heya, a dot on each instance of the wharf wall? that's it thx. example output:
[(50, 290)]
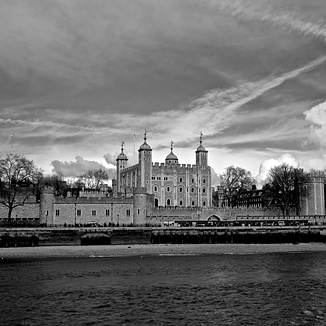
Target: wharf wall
[(16, 237)]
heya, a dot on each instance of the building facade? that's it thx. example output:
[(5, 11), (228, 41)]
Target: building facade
[(172, 184)]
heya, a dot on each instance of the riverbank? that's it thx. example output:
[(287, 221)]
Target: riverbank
[(155, 249), (22, 237)]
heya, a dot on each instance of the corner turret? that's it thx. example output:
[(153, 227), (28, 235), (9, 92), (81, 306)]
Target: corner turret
[(122, 161), (201, 153), (145, 165)]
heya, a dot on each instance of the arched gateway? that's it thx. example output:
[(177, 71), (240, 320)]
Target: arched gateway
[(214, 218)]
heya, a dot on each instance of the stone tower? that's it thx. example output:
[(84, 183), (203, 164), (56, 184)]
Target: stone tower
[(204, 193), (122, 161), (201, 153), (47, 206), (145, 165), (313, 199)]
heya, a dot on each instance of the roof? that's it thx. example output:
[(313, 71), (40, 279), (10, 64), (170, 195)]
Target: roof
[(171, 156)]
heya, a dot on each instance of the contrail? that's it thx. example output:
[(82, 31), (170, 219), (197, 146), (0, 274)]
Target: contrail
[(281, 19)]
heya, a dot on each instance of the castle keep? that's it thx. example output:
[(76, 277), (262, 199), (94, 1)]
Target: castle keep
[(172, 184)]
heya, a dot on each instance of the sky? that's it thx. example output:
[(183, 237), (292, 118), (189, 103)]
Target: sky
[(78, 77)]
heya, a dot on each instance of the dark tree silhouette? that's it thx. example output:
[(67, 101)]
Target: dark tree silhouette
[(20, 179)]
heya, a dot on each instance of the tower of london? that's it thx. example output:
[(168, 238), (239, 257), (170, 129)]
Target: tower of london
[(171, 184)]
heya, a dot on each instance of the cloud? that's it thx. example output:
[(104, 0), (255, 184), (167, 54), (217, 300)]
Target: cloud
[(317, 116), (111, 159), (262, 11), (215, 178), (79, 167), (266, 165)]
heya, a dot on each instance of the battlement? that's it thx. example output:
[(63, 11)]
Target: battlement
[(162, 165), (130, 168), (316, 179), (94, 200), (176, 208)]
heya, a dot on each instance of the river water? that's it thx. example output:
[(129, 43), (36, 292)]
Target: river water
[(164, 289)]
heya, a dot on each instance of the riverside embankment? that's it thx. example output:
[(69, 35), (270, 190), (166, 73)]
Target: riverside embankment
[(20, 237)]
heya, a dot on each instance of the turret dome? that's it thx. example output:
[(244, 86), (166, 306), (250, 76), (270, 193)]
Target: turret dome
[(201, 148), (122, 156), (145, 145), (171, 158)]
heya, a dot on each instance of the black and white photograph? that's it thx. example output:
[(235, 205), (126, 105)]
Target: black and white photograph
[(162, 162)]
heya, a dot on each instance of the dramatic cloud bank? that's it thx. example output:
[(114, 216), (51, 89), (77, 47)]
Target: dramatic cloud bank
[(79, 167), (77, 78), (317, 116), (270, 163)]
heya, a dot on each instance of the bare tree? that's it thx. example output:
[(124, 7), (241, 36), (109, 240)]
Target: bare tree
[(56, 181), (285, 187), (93, 179), (19, 180), (235, 179)]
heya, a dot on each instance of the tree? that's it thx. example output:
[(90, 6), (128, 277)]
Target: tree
[(235, 179), (58, 184), (286, 187), (93, 179), (19, 180)]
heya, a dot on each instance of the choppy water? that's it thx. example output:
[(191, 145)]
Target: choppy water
[(261, 289)]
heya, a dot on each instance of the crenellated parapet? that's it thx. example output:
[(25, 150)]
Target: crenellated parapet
[(130, 168), (168, 165)]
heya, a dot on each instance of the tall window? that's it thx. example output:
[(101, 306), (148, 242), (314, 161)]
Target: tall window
[(156, 202), (107, 212), (78, 212), (168, 202), (128, 212), (93, 213), (57, 212)]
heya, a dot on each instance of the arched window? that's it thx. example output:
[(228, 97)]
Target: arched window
[(155, 188), (168, 188), (192, 189), (180, 203), (168, 202), (204, 190), (192, 203), (204, 180), (180, 189), (204, 203), (156, 202)]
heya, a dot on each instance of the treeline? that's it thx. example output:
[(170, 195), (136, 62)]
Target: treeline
[(283, 188)]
